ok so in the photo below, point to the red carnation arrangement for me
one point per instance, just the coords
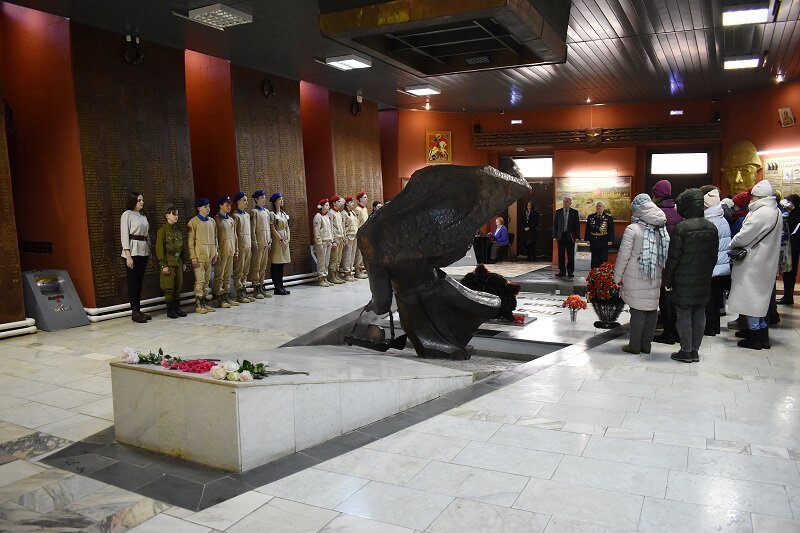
(575, 302)
(600, 283)
(195, 366)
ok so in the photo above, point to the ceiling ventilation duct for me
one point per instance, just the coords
(435, 37)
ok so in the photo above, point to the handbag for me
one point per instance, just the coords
(737, 255)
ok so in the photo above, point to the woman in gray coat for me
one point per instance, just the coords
(753, 278)
(641, 257)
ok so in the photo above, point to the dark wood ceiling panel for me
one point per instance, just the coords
(617, 50)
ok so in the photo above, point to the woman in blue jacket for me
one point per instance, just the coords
(500, 238)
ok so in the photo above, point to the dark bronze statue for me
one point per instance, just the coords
(430, 225)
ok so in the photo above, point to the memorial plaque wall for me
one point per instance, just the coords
(12, 306)
(269, 144)
(356, 148)
(134, 136)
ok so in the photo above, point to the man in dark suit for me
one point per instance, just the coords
(566, 228)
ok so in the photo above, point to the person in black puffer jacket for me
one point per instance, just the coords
(690, 263)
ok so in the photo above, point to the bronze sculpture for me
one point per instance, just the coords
(430, 225)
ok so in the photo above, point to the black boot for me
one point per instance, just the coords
(742, 333)
(765, 344)
(753, 340)
(683, 357)
(137, 317)
(177, 307)
(695, 356)
(171, 309)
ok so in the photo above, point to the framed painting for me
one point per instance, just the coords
(438, 146)
(614, 192)
(787, 117)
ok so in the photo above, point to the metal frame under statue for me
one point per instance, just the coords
(430, 225)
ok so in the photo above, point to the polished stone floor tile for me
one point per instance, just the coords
(746, 467)
(695, 397)
(12, 432)
(461, 428)
(467, 482)
(559, 524)
(667, 516)
(686, 441)
(615, 509)
(769, 451)
(16, 470)
(126, 475)
(794, 501)
(601, 400)
(639, 376)
(688, 424)
(227, 513)
(728, 493)
(376, 466)
(57, 493)
(400, 506)
(503, 407)
(629, 434)
(620, 477)
(221, 490)
(581, 427)
(84, 464)
(422, 445)
(583, 415)
(33, 445)
(33, 414)
(727, 446)
(345, 523)
(75, 427)
(756, 433)
(509, 459)
(315, 487)
(174, 490)
(773, 524)
(65, 398)
(163, 523)
(540, 439)
(466, 515)
(667, 407)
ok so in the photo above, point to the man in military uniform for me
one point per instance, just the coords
(244, 237)
(203, 250)
(169, 251)
(228, 252)
(600, 234)
(337, 246)
(262, 239)
(361, 215)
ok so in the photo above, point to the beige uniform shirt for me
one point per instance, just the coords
(226, 235)
(134, 223)
(261, 226)
(322, 229)
(202, 239)
(361, 214)
(244, 231)
(337, 224)
(350, 224)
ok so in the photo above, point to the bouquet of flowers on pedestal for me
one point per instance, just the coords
(603, 293)
(574, 303)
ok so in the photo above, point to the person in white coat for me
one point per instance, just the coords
(640, 260)
(721, 277)
(753, 278)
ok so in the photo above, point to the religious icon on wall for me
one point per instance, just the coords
(787, 117)
(438, 147)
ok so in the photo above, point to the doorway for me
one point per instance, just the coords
(542, 197)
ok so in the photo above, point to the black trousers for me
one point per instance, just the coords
(790, 277)
(530, 248)
(135, 280)
(566, 245)
(276, 273)
(714, 304)
(599, 255)
(666, 305)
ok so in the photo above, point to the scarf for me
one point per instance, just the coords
(654, 250)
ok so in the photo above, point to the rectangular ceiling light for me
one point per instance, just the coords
(219, 16)
(423, 90)
(515, 121)
(735, 63)
(348, 62)
(745, 14)
(674, 112)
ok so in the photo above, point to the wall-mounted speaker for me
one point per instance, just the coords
(476, 128)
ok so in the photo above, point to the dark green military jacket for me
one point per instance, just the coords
(169, 245)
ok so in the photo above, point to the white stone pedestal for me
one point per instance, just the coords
(239, 426)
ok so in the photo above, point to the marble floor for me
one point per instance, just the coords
(587, 438)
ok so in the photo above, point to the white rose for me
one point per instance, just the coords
(230, 366)
(132, 358)
(246, 376)
(217, 372)
(233, 376)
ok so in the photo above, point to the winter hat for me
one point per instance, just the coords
(322, 203)
(711, 198)
(728, 202)
(662, 189)
(762, 188)
(742, 199)
(639, 201)
(238, 196)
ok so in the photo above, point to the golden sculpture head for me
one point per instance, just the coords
(741, 166)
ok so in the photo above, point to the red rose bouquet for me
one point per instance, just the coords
(575, 302)
(600, 283)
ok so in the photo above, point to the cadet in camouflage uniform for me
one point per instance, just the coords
(244, 236)
(203, 251)
(337, 246)
(262, 239)
(169, 251)
(228, 252)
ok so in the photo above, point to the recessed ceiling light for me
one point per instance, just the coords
(423, 90)
(348, 62)
(747, 14)
(674, 112)
(779, 78)
(588, 100)
(734, 63)
(219, 16)
(515, 121)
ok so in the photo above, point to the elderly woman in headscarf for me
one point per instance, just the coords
(641, 258)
